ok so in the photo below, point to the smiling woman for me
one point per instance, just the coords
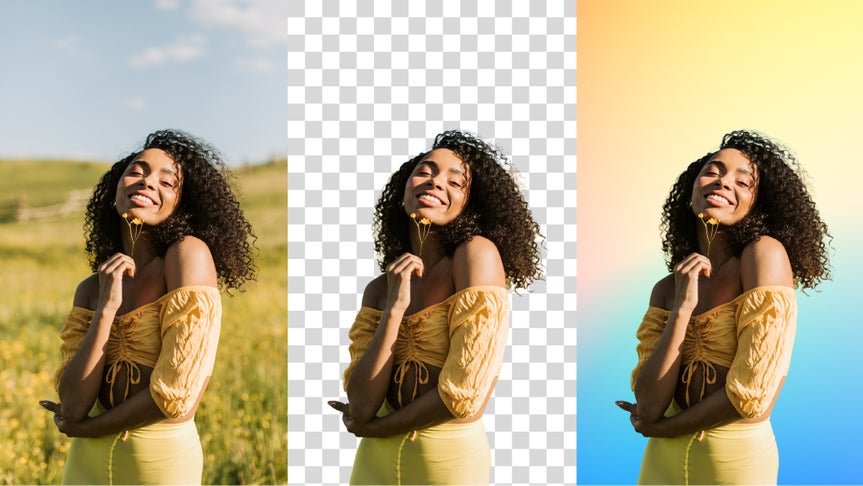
(428, 342)
(140, 342)
(715, 343)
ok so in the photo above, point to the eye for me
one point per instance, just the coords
(744, 183)
(167, 183)
(455, 183)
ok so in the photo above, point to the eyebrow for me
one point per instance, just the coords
(741, 170)
(454, 170)
(166, 170)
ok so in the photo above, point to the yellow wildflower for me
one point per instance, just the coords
(136, 227)
(711, 227)
(423, 230)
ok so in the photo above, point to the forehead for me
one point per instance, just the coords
(158, 159)
(734, 160)
(446, 160)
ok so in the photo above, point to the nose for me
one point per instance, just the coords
(724, 181)
(438, 180)
(149, 180)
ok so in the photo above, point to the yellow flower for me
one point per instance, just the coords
(136, 227)
(423, 230)
(711, 227)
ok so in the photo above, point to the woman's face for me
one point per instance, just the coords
(438, 187)
(150, 187)
(725, 188)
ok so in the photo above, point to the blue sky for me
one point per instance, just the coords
(89, 79)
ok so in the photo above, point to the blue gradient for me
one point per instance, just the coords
(815, 419)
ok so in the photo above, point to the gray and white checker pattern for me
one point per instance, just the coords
(369, 86)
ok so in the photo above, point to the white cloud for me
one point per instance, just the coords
(134, 103)
(167, 4)
(263, 23)
(186, 48)
(255, 65)
(73, 45)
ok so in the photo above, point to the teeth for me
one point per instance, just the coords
(142, 198)
(429, 197)
(718, 198)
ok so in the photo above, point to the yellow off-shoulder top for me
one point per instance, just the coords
(464, 335)
(177, 335)
(752, 335)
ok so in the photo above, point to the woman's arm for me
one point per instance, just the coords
(475, 263)
(137, 411)
(713, 411)
(80, 382)
(368, 384)
(187, 263)
(657, 381)
(762, 263)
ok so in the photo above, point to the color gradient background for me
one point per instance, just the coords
(659, 83)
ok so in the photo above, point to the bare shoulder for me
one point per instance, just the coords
(662, 295)
(189, 262)
(477, 262)
(765, 262)
(375, 293)
(87, 293)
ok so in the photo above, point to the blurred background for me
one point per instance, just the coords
(82, 84)
(659, 83)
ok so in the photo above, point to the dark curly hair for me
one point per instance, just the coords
(783, 209)
(207, 209)
(513, 230)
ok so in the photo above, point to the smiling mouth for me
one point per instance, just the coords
(430, 198)
(142, 198)
(719, 199)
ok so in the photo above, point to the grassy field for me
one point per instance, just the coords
(242, 419)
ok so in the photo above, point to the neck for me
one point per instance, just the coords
(431, 249)
(719, 251)
(142, 251)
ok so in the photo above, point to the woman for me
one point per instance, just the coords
(453, 232)
(164, 232)
(741, 232)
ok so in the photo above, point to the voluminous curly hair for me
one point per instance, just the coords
(783, 209)
(512, 228)
(207, 209)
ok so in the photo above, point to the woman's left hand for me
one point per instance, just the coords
(640, 426)
(359, 429)
(68, 427)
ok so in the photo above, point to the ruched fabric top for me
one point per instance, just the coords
(177, 335)
(752, 335)
(464, 335)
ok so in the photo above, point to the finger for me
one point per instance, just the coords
(341, 407)
(400, 261)
(627, 406)
(50, 406)
(113, 266)
(405, 262)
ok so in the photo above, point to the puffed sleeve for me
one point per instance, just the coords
(766, 326)
(648, 335)
(191, 322)
(360, 335)
(72, 334)
(478, 323)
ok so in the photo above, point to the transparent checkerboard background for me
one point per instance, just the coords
(369, 86)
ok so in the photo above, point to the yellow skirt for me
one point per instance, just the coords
(155, 454)
(443, 454)
(732, 454)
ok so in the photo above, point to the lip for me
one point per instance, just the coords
(440, 202)
(716, 203)
(140, 203)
